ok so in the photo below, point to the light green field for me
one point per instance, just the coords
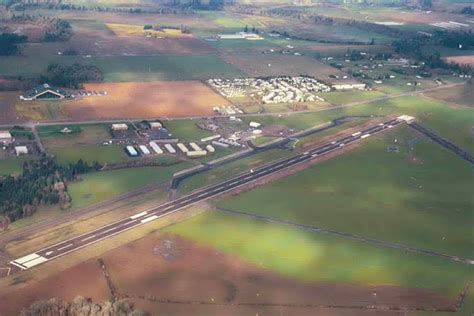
(12, 166)
(399, 197)
(344, 97)
(315, 257)
(186, 129)
(99, 186)
(90, 154)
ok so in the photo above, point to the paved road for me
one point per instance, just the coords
(443, 142)
(54, 251)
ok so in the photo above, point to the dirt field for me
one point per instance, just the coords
(468, 60)
(173, 275)
(275, 64)
(462, 95)
(146, 99)
(7, 107)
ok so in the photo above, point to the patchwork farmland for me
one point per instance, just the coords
(236, 158)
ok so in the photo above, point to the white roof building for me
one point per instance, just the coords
(120, 127)
(5, 136)
(21, 150)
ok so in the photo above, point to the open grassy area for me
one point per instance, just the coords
(12, 166)
(52, 136)
(101, 154)
(186, 129)
(99, 186)
(344, 97)
(314, 257)
(400, 197)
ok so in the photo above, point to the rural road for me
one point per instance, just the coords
(73, 244)
(114, 120)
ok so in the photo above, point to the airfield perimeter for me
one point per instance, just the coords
(57, 250)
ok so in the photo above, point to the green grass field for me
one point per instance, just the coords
(101, 154)
(12, 166)
(400, 197)
(344, 97)
(315, 257)
(186, 129)
(99, 186)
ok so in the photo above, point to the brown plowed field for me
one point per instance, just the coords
(166, 274)
(463, 60)
(145, 99)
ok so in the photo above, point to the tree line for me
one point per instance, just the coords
(412, 46)
(71, 76)
(43, 181)
(9, 43)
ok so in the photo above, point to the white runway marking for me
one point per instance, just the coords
(149, 219)
(138, 215)
(87, 238)
(64, 247)
(48, 253)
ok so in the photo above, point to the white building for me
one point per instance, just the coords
(5, 137)
(21, 150)
(119, 127)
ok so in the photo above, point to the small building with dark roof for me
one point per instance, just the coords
(44, 92)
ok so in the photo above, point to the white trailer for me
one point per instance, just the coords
(220, 144)
(195, 147)
(183, 148)
(156, 148)
(144, 150)
(170, 149)
(210, 148)
(207, 139)
(131, 151)
(196, 153)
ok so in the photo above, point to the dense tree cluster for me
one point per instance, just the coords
(412, 46)
(71, 76)
(82, 307)
(42, 182)
(8, 43)
(467, 10)
(59, 30)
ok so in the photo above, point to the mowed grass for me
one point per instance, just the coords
(420, 197)
(186, 129)
(344, 97)
(99, 186)
(101, 154)
(12, 166)
(317, 257)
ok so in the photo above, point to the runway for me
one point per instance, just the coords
(59, 249)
